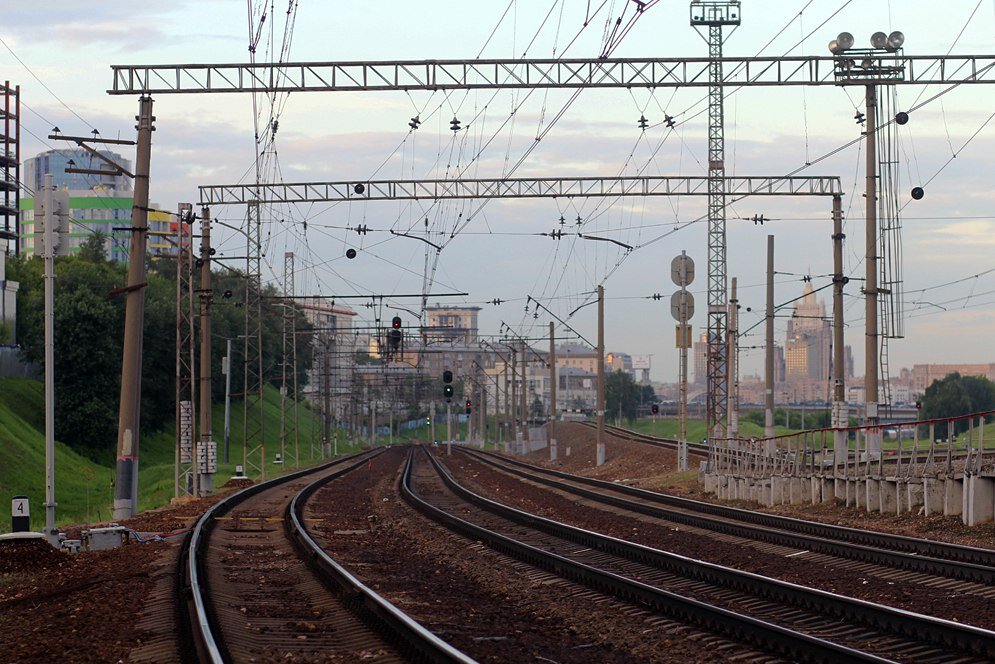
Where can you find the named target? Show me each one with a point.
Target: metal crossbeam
(389, 190)
(564, 73)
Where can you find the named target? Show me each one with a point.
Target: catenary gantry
(372, 190)
(895, 69)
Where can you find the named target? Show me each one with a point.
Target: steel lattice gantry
(402, 75)
(387, 190)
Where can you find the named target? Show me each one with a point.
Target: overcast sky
(60, 53)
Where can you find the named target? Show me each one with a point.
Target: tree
(957, 395)
(87, 369)
(92, 248)
(621, 391)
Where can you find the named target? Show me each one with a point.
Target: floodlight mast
(716, 14)
(869, 67)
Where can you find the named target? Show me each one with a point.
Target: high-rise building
(97, 203)
(55, 162)
(806, 350)
(701, 360)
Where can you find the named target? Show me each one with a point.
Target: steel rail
(770, 637)
(896, 622)
(418, 641)
(204, 627)
(901, 554)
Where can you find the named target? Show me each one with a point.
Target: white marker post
(20, 515)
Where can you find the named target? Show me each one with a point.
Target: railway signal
(468, 407)
(447, 388)
(394, 336)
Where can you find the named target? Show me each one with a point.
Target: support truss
(254, 452)
(388, 190)
(186, 353)
(545, 73)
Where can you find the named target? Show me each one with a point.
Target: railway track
(260, 589)
(908, 554)
(788, 620)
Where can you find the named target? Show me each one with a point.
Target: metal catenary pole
(871, 280)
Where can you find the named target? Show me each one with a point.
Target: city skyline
(500, 256)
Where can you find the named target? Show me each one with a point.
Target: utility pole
(841, 416)
(871, 280)
(326, 401)
(126, 471)
(732, 337)
(513, 432)
(431, 419)
(715, 14)
(49, 217)
(769, 351)
(507, 408)
(449, 428)
(206, 454)
(552, 393)
(524, 409)
(227, 371)
(600, 399)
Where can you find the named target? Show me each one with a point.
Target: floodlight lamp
(895, 40)
(845, 41)
(834, 47)
(879, 40)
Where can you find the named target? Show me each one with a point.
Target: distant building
(576, 356)
(451, 324)
(923, 375)
(806, 348)
(335, 344)
(101, 203)
(701, 360)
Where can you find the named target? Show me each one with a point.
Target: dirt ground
(92, 607)
(649, 467)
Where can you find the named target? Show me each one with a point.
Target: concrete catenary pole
(513, 432)
(205, 456)
(600, 399)
(50, 235)
(841, 415)
(769, 350)
(227, 368)
(126, 471)
(732, 338)
(524, 403)
(552, 393)
(871, 282)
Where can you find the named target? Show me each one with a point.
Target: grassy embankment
(83, 487)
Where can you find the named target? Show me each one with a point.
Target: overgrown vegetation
(89, 329)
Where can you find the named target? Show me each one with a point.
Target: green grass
(667, 428)
(83, 488)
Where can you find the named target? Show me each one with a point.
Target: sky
(61, 54)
